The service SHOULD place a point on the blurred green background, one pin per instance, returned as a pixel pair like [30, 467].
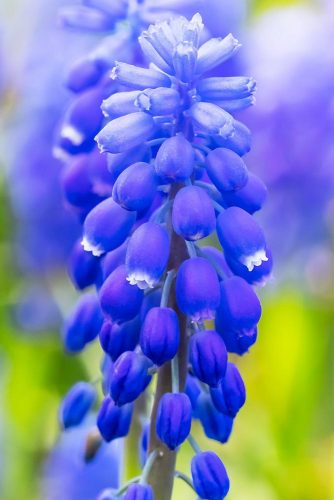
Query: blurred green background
[283, 442]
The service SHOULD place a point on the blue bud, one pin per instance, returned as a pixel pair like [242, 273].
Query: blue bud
[239, 141]
[230, 395]
[83, 325]
[226, 170]
[160, 335]
[147, 255]
[216, 425]
[84, 73]
[139, 78]
[197, 289]
[151, 299]
[119, 104]
[241, 237]
[193, 390]
[258, 276]
[139, 492]
[221, 88]
[77, 186]
[76, 404]
[159, 102]
[239, 308]
[175, 159]
[120, 301]
[126, 132]
[214, 52]
[193, 213]
[106, 227]
[209, 476]
[118, 338]
[173, 419]
[237, 341]
[250, 197]
[234, 105]
[211, 119]
[130, 377]
[80, 16]
[117, 162]
[112, 421]
[208, 356]
[184, 61]
[83, 267]
[82, 122]
[135, 188]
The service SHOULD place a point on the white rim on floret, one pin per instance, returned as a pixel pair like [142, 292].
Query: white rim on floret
[88, 246]
[254, 260]
[141, 279]
[72, 134]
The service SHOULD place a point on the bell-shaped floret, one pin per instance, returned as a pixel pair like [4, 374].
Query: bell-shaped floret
[208, 357]
[173, 419]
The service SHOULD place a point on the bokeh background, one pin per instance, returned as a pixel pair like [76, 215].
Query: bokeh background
[282, 447]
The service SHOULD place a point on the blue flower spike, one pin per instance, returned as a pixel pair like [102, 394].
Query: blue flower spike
[173, 174]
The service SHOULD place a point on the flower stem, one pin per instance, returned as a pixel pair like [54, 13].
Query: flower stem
[148, 466]
[161, 475]
[193, 443]
[185, 478]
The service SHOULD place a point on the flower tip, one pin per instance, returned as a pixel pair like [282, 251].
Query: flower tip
[90, 247]
[72, 134]
[255, 260]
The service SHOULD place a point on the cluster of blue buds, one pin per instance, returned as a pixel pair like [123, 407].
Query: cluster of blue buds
[168, 305]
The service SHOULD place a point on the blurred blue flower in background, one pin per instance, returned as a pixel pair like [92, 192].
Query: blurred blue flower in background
[67, 476]
[293, 147]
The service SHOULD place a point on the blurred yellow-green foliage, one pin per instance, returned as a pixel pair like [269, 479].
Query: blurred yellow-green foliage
[283, 442]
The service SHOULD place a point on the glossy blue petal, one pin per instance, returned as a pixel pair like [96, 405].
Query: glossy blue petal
[83, 324]
[113, 421]
[226, 170]
[160, 335]
[250, 197]
[147, 255]
[216, 425]
[120, 301]
[208, 357]
[197, 289]
[83, 267]
[209, 476]
[241, 237]
[139, 78]
[118, 338]
[173, 419]
[106, 227]
[175, 159]
[76, 404]
[193, 213]
[135, 188]
[230, 395]
[239, 307]
[130, 377]
[126, 132]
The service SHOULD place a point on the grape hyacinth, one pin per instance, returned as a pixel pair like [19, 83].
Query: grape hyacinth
[171, 307]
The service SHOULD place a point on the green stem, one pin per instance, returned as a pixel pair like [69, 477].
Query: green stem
[193, 443]
[148, 466]
[185, 478]
[175, 374]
